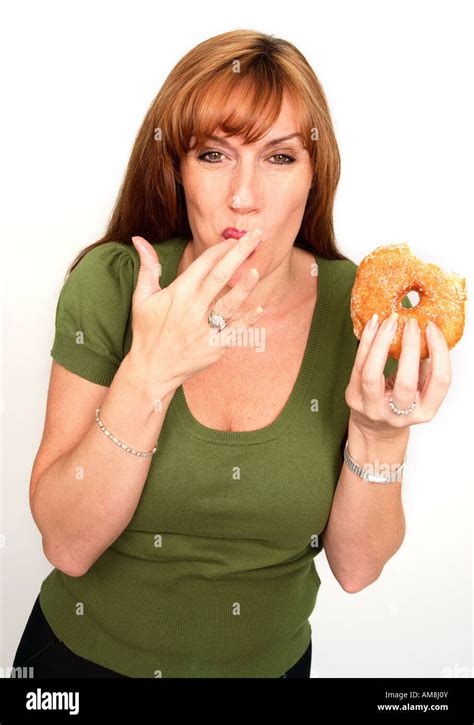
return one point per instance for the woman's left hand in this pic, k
(425, 382)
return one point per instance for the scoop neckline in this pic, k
(314, 344)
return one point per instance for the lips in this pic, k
(232, 232)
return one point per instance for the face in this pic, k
(249, 186)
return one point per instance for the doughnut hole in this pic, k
(421, 301)
(414, 297)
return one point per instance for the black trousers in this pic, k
(42, 650)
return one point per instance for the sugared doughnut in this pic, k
(383, 279)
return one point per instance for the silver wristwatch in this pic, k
(362, 472)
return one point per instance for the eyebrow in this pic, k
(273, 142)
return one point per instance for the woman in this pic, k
(196, 558)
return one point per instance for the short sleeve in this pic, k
(391, 364)
(92, 313)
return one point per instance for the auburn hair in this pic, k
(193, 101)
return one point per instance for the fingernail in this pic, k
(144, 249)
(138, 244)
(139, 241)
(410, 326)
(373, 322)
(393, 323)
(256, 233)
(431, 328)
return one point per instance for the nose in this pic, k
(244, 191)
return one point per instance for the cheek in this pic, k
(294, 193)
(202, 192)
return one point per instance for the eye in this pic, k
(290, 159)
(208, 153)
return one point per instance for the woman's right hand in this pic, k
(171, 332)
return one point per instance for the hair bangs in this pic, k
(245, 106)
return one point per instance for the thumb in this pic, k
(149, 273)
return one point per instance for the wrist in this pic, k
(157, 387)
(365, 447)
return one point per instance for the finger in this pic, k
(365, 343)
(227, 335)
(228, 305)
(195, 274)
(372, 377)
(424, 372)
(406, 382)
(439, 378)
(225, 268)
(249, 318)
(148, 281)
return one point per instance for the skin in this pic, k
(366, 525)
(248, 187)
(426, 382)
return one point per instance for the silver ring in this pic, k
(399, 411)
(216, 320)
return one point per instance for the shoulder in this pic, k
(340, 273)
(99, 287)
(115, 265)
(99, 263)
(104, 251)
(343, 270)
(92, 313)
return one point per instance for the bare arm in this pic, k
(86, 498)
(366, 525)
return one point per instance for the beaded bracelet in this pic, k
(118, 441)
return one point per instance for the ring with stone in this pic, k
(216, 320)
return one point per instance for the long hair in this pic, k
(192, 102)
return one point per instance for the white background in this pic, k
(77, 81)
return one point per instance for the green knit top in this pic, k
(214, 576)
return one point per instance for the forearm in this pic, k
(366, 525)
(84, 501)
